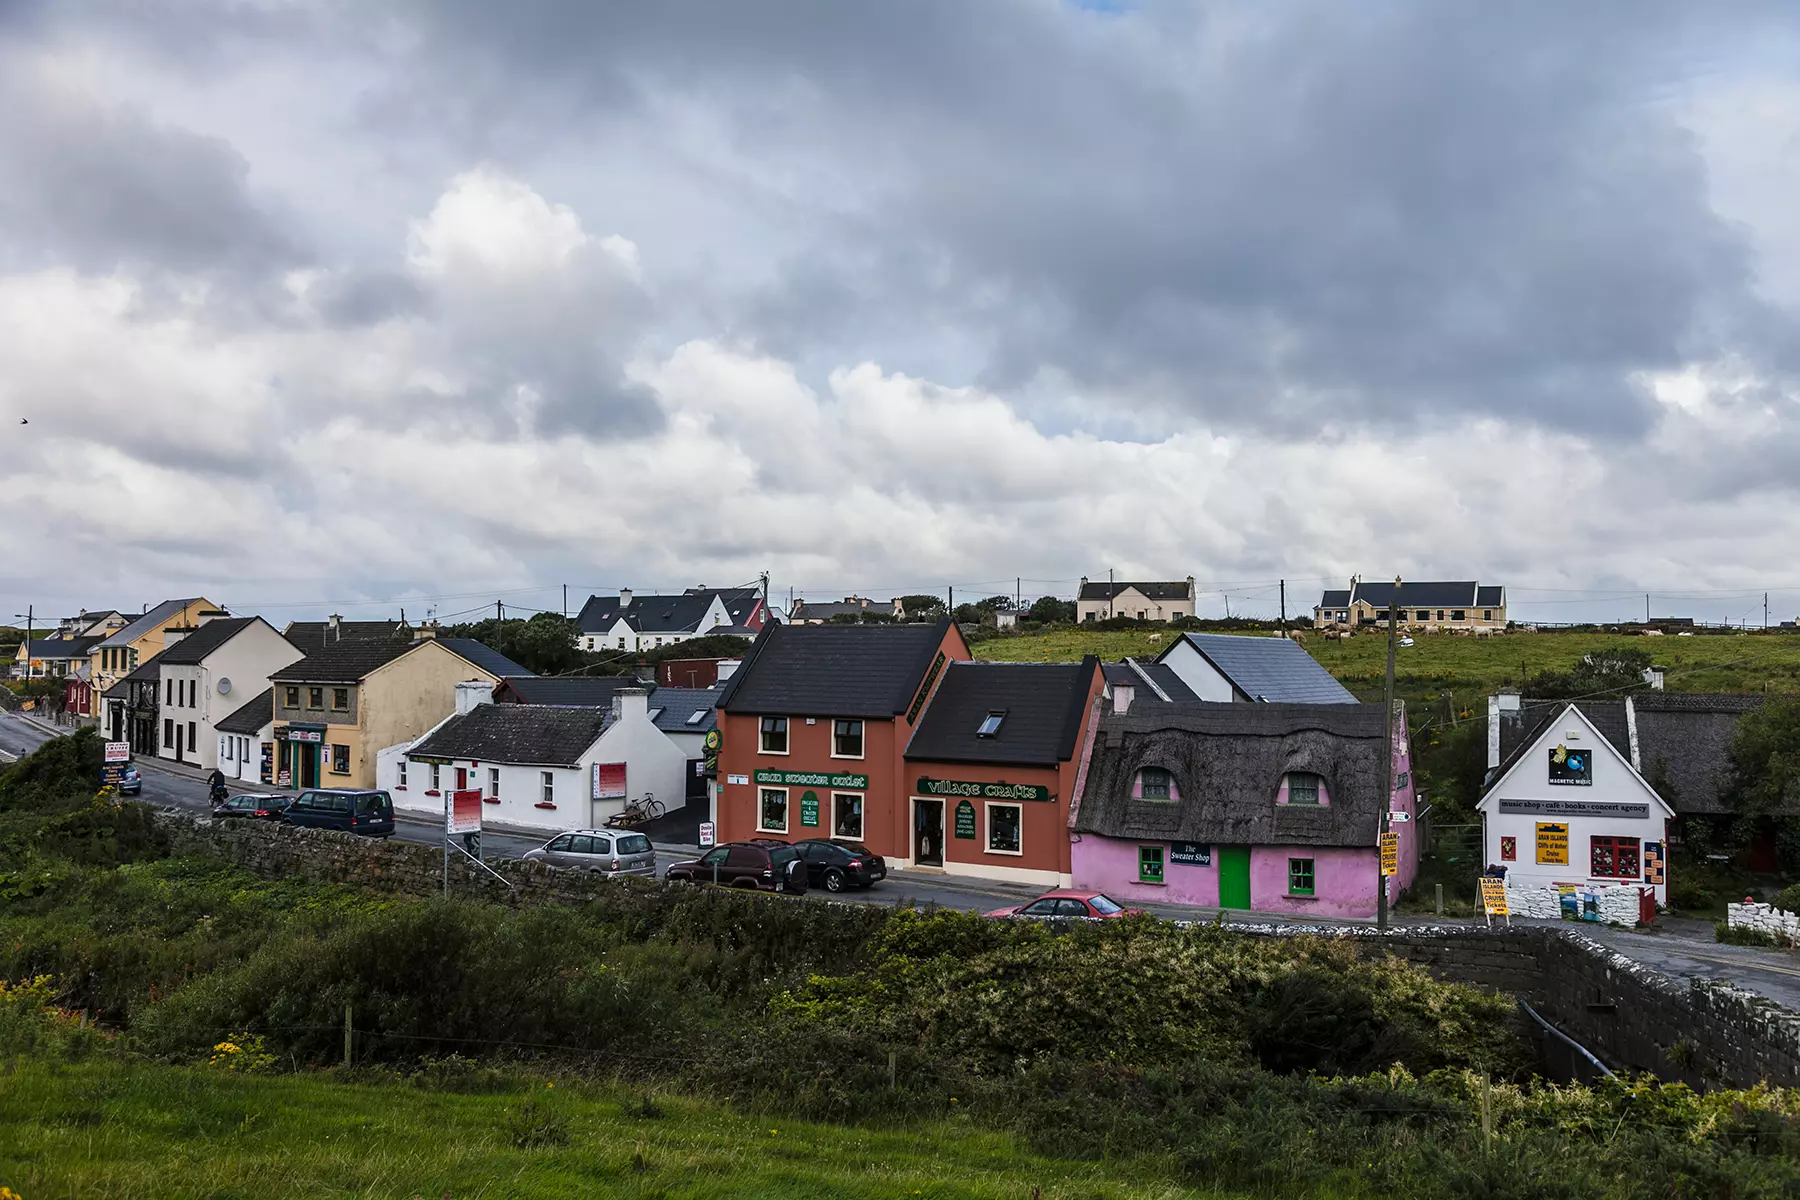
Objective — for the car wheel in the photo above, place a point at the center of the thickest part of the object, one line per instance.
(745, 883)
(834, 880)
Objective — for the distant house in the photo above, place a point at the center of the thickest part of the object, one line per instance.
(818, 612)
(316, 635)
(569, 691)
(59, 657)
(1101, 601)
(121, 652)
(1266, 807)
(205, 676)
(1429, 606)
(1218, 666)
(635, 622)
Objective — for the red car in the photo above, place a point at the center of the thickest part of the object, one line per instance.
(1068, 904)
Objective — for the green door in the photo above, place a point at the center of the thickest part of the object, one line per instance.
(1234, 877)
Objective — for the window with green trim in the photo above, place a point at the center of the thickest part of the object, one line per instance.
(1300, 876)
(1150, 864)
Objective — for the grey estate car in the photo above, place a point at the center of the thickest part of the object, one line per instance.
(607, 851)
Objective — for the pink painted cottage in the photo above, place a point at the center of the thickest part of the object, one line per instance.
(1263, 807)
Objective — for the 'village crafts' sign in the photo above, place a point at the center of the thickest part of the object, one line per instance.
(987, 791)
(812, 779)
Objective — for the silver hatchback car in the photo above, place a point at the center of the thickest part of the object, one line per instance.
(605, 851)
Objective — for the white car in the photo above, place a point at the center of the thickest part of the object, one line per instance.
(1406, 639)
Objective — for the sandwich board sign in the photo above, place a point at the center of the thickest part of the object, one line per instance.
(118, 752)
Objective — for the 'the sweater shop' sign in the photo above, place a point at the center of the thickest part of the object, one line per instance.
(987, 791)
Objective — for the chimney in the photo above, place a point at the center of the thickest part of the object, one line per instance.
(1122, 696)
(624, 599)
(171, 636)
(334, 624)
(728, 667)
(210, 614)
(471, 694)
(631, 702)
(426, 631)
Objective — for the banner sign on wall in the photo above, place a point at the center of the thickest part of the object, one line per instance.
(465, 811)
(809, 809)
(609, 781)
(822, 779)
(965, 820)
(1193, 854)
(988, 791)
(1553, 843)
(1571, 768)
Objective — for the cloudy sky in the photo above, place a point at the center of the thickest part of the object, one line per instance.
(318, 306)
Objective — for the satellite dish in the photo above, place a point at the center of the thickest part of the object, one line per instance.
(224, 687)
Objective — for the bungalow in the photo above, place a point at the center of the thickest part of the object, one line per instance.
(818, 612)
(1230, 667)
(247, 740)
(815, 726)
(58, 657)
(543, 768)
(1266, 807)
(632, 622)
(1460, 605)
(1143, 601)
(205, 674)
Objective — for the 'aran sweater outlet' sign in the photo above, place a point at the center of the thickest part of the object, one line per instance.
(987, 791)
(812, 779)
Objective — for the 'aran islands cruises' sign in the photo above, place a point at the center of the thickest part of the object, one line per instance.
(988, 791)
(813, 779)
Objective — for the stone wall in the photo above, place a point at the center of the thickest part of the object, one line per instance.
(1615, 905)
(1765, 918)
(1632, 1018)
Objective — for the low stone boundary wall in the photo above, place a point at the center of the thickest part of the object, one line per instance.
(1633, 1018)
(1615, 905)
(1764, 918)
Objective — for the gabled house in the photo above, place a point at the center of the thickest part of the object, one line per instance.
(1567, 807)
(816, 722)
(205, 676)
(247, 740)
(543, 768)
(1424, 605)
(1164, 601)
(1233, 667)
(339, 705)
(686, 716)
(637, 622)
(569, 691)
(316, 635)
(95, 623)
(60, 657)
(1265, 807)
(119, 654)
(818, 612)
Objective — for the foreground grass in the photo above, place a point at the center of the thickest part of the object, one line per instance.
(104, 1129)
(1467, 667)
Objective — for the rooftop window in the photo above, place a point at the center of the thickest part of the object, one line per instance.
(990, 724)
(697, 716)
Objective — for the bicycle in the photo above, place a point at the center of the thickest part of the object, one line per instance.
(636, 812)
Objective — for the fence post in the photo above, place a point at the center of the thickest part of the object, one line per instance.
(893, 1084)
(347, 1034)
(1440, 899)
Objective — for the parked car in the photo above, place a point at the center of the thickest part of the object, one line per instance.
(368, 813)
(265, 806)
(1067, 904)
(741, 864)
(835, 866)
(132, 784)
(607, 852)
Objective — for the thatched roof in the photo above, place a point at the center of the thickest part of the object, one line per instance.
(1228, 760)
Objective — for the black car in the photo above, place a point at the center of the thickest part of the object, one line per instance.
(261, 806)
(835, 866)
(761, 864)
(354, 810)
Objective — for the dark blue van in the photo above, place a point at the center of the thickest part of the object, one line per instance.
(354, 810)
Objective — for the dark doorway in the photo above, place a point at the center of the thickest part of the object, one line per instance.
(928, 833)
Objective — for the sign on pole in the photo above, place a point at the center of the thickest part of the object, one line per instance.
(708, 834)
(1399, 818)
(118, 752)
(465, 812)
(1390, 853)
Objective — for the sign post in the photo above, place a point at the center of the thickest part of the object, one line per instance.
(118, 752)
(708, 834)
(1390, 856)
(1493, 900)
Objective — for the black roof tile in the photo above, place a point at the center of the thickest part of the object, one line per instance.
(833, 670)
(1177, 589)
(1043, 705)
(341, 662)
(248, 719)
(194, 647)
(579, 691)
(484, 656)
(527, 734)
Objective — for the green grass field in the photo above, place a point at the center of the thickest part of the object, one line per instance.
(104, 1129)
(1475, 667)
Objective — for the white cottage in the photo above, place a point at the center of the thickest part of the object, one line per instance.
(1567, 808)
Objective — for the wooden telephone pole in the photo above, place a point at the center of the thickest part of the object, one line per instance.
(1387, 759)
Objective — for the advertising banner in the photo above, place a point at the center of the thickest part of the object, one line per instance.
(1390, 853)
(609, 781)
(809, 809)
(965, 820)
(1493, 896)
(1193, 854)
(465, 811)
(1553, 843)
(118, 752)
(1571, 768)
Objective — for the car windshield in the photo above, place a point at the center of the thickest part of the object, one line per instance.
(633, 843)
(1105, 905)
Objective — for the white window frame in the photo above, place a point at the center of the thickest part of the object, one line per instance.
(400, 782)
(864, 739)
(862, 816)
(787, 735)
(493, 783)
(436, 784)
(547, 787)
(988, 819)
(787, 810)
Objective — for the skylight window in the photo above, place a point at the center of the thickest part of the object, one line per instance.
(697, 716)
(990, 724)
(655, 713)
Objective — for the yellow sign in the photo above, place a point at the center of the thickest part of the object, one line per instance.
(1493, 896)
(1553, 843)
(1390, 853)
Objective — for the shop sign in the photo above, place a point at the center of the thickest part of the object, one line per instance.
(1509, 849)
(1552, 843)
(1493, 896)
(1192, 854)
(809, 809)
(464, 812)
(284, 779)
(112, 775)
(608, 781)
(710, 750)
(854, 783)
(937, 665)
(965, 820)
(1655, 870)
(1575, 808)
(708, 834)
(118, 752)
(731, 779)
(987, 791)
(1390, 853)
(1571, 768)
(309, 735)
(268, 762)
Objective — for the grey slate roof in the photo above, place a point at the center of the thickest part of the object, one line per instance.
(655, 614)
(1519, 731)
(315, 635)
(61, 647)
(678, 704)
(576, 691)
(483, 656)
(249, 719)
(161, 615)
(1043, 703)
(1462, 593)
(1176, 589)
(1490, 597)
(1228, 761)
(1684, 739)
(1147, 678)
(1276, 670)
(833, 670)
(1337, 599)
(341, 662)
(203, 641)
(524, 734)
(824, 610)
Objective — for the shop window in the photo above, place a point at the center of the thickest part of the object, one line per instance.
(1613, 857)
(774, 735)
(1300, 876)
(1303, 788)
(1155, 783)
(847, 815)
(1005, 828)
(772, 813)
(340, 759)
(1150, 864)
(847, 739)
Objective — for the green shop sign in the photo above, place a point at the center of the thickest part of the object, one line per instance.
(855, 783)
(987, 791)
(965, 820)
(809, 809)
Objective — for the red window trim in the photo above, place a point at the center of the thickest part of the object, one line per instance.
(1617, 849)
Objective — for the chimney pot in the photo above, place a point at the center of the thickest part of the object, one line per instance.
(1122, 696)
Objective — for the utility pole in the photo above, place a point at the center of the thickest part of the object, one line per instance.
(1387, 757)
(499, 610)
(1646, 608)
(952, 609)
(765, 595)
(30, 614)
(565, 599)
(1284, 606)
(1109, 593)
(1019, 598)
(1765, 610)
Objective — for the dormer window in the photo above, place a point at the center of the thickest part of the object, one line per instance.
(697, 716)
(1154, 783)
(1303, 787)
(990, 724)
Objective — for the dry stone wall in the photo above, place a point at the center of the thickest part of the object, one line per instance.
(1765, 918)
